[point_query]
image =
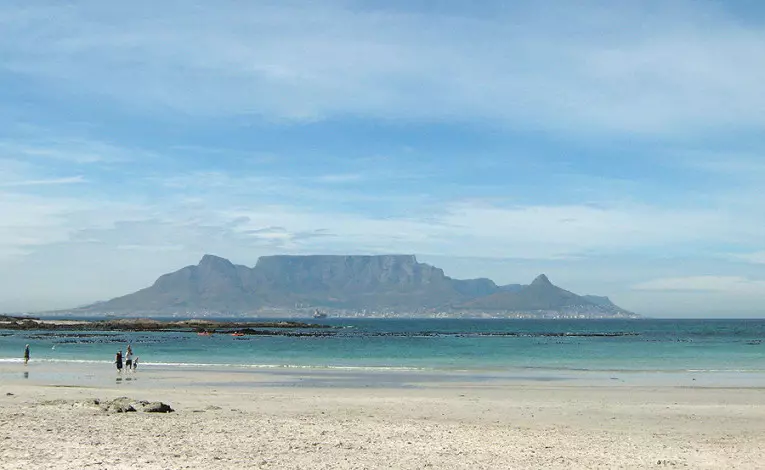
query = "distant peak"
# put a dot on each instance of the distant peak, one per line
(541, 280)
(208, 260)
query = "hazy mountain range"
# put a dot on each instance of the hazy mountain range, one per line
(359, 284)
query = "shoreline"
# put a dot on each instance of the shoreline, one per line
(64, 372)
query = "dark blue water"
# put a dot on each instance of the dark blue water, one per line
(433, 344)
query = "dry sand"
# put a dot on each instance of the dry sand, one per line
(467, 426)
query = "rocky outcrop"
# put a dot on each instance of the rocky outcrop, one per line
(18, 323)
(148, 324)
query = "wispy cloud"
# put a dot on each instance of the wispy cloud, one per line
(339, 178)
(252, 206)
(757, 257)
(483, 230)
(723, 284)
(150, 248)
(464, 228)
(32, 221)
(44, 182)
(689, 67)
(79, 151)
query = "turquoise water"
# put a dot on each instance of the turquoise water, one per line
(495, 346)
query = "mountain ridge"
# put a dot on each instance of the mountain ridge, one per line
(358, 283)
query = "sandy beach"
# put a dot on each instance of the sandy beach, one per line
(273, 422)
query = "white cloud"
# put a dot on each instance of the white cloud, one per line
(722, 284)
(30, 222)
(757, 257)
(540, 231)
(483, 230)
(150, 248)
(291, 214)
(687, 67)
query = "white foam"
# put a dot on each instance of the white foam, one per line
(284, 366)
(76, 361)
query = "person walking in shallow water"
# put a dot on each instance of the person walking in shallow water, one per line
(118, 361)
(26, 354)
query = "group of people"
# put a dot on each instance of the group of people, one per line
(130, 363)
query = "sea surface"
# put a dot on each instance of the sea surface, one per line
(717, 352)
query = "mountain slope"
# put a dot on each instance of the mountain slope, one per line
(541, 294)
(215, 284)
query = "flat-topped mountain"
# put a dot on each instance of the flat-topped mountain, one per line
(397, 283)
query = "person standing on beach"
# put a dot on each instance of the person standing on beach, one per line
(129, 358)
(118, 361)
(26, 354)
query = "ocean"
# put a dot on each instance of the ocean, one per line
(720, 352)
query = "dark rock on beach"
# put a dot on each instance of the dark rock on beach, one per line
(157, 407)
(118, 405)
(128, 405)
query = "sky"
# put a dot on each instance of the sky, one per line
(616, 146)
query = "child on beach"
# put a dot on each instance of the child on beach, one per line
(26, 354)
(135, 364)
(118, 361)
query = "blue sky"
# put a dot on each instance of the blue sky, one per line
(616, 146)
